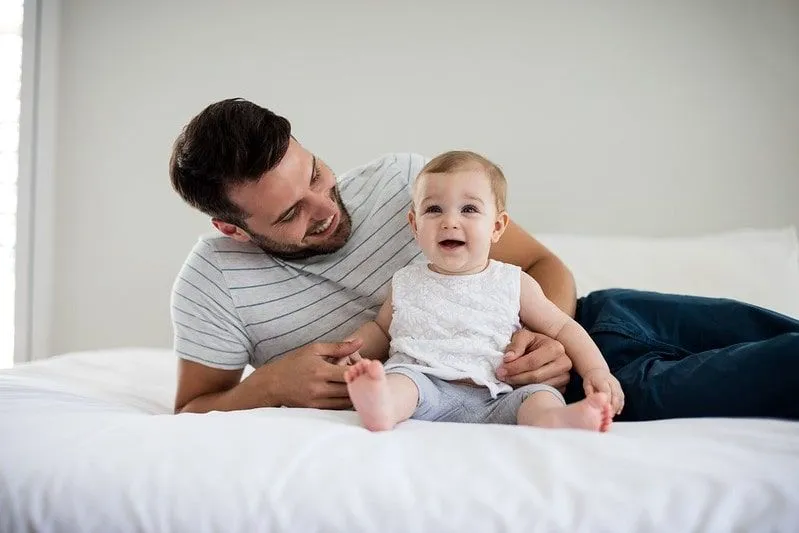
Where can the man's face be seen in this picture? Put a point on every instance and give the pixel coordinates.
(294, 210)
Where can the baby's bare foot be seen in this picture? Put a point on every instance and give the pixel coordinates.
(369, 392)
(594, 414)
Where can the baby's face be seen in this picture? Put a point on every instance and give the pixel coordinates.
(455, 220)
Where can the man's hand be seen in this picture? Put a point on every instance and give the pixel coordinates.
(535, 358)
(306, 377)
(347, 360)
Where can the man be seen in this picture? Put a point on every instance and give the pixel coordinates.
(302, 259)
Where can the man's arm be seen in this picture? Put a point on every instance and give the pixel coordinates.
(518, 247)
(214, 348)
(202, 389)
(301, 378)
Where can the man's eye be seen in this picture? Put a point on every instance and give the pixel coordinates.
(288, 217)
(470, 209)
(432, 209)
(316, 175)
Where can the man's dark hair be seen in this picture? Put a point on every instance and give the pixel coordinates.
(229, 143)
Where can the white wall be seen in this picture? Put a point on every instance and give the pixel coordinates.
(648, 118)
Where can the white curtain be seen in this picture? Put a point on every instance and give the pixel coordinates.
(10, 74)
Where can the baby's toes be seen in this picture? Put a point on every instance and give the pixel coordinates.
(607, 418)
(354, 371)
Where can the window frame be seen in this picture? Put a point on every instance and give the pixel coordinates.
(36, 181)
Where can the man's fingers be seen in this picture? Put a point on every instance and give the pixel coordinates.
(559, 366)
(335, 390)
(554, 370)
(337, 349)
(528, 362)
(559, 382)
(334, 373)
(332, 403)
(548, 352)
(518, 344)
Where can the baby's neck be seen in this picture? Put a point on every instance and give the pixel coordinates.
(439, 270)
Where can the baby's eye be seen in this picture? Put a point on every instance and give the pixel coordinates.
(432, 209)
(469, 208)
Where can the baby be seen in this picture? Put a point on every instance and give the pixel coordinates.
(448, 320)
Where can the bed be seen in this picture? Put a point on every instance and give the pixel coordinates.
(88, 442)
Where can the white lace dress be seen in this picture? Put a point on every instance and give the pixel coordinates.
(454, 327)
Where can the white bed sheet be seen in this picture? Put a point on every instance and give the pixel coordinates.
(87, 443)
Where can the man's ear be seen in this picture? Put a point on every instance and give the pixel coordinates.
(412, 220)
(231, 230)
(499, 226)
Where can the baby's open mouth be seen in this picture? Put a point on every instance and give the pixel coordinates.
(451, 244)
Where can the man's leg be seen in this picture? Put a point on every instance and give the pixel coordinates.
(683, 356)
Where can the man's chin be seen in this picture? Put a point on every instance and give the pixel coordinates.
(335, 243)
(332, 244)
(338, 239)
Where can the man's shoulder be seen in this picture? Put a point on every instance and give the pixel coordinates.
(209, 244)
(407, 164)
(221, 253)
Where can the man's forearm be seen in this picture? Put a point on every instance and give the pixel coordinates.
(557, 283)
(241, 397)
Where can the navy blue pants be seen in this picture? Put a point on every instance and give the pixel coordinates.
(684, 356)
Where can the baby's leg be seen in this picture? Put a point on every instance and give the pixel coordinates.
(381, 401)
(544, 409)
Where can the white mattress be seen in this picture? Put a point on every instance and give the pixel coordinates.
(88, 444)
(87, 441)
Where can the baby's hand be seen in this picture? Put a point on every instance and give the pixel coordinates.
(601, 380)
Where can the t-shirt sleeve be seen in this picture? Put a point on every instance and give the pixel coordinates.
(207, 328)
(412, 164)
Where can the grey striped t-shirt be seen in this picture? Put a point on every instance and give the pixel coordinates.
(232, 304)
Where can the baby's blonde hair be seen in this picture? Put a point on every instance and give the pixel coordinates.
(456, 160)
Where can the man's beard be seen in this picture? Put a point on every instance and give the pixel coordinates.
(291, 252)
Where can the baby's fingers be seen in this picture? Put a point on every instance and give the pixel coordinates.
(618, 399)
(604, 386)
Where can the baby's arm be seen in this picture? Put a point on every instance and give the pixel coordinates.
(539, 314)
(375, 333)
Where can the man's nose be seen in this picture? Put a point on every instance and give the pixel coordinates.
(322, 205)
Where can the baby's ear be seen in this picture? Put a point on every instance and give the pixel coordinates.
(412, 220)
(500, 224)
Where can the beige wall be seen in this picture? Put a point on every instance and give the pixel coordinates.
(648, 118)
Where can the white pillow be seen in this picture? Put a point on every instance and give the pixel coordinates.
(756, 266)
